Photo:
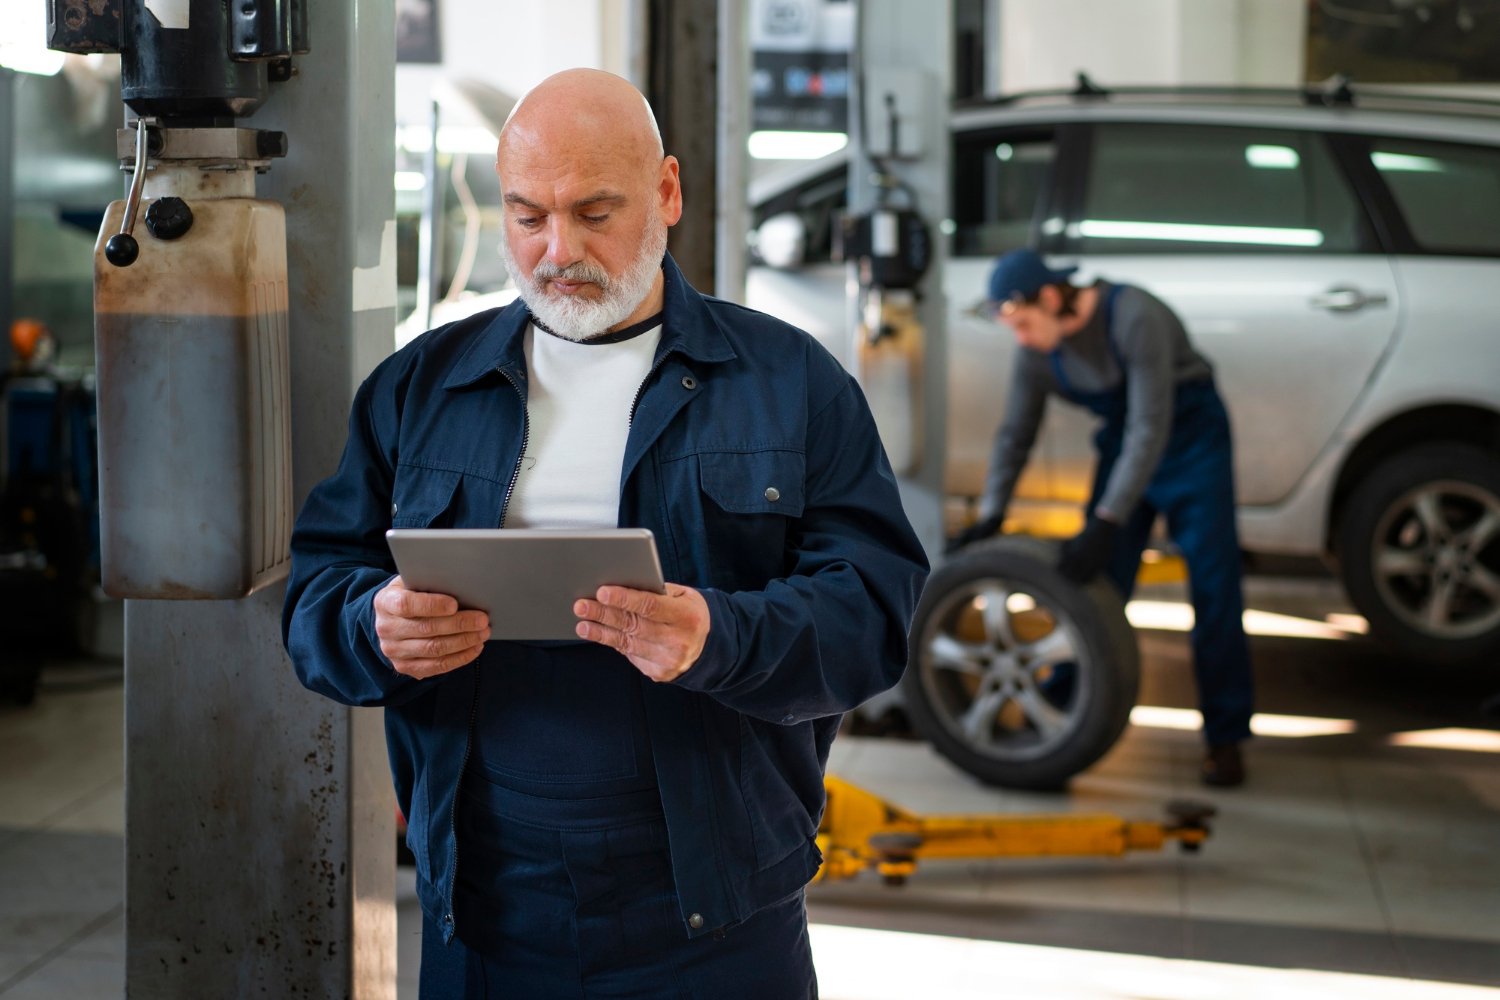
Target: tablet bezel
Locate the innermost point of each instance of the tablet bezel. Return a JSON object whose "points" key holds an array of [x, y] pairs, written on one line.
{"points": [[551, 569]]}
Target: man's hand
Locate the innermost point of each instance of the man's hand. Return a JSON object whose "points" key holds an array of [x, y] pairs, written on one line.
{"points": [[976, 532], [661, 634], [424, 635], [1085, 555]]}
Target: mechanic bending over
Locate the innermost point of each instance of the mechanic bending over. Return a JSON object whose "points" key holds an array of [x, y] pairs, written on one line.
{"points": [[635, 813], [1164, 448]]}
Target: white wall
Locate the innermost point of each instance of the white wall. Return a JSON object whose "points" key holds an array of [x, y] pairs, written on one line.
{"points": [[1045, 43], [514, 44]]}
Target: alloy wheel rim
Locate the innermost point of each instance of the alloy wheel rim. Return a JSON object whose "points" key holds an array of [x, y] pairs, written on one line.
{"points": [[1435, 558], [992, 662]]}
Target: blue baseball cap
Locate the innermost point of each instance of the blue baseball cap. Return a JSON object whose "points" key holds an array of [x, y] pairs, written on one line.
{"points": [[1023, 273]]}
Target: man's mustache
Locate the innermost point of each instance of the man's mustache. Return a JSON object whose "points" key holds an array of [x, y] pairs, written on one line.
{"points": [[579, 271]]}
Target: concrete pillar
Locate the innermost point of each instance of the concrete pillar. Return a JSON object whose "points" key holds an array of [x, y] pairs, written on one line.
{"points": [[682, 84], [260, 842]]}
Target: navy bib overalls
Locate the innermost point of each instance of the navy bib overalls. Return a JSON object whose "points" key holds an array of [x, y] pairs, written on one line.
{"points": [[1193, 488], [564, 885]]}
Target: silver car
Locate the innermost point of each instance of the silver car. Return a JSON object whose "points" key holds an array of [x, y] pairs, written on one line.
{"points": [[1335, 254]]}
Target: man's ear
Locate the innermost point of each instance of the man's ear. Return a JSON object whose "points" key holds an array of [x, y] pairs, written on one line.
{"points": [[669, 192]]}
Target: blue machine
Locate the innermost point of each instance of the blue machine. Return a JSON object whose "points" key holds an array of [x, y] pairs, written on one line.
{"points": [[49, 519]]}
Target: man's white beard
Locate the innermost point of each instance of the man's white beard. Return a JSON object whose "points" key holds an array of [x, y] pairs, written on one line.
{"points": [[575, 317]]}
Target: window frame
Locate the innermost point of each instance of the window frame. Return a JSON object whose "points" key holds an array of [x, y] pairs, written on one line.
{"points": [[1047, 194], [1357, 149]]}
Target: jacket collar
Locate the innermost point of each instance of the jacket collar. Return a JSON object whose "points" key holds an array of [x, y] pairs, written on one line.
{"points": [[687, 328]]}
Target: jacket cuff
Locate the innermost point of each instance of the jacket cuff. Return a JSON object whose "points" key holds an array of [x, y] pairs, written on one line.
{"points": [[721, 650], [364, 619]]}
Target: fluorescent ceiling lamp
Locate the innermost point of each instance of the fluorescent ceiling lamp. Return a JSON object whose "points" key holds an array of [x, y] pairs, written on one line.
{"points": [[473, 139], [23, 48], [1473, 740], [1272, 157], [795, 145], [1178, 232], [1407, 163], [859, 963], [1262, 723], [410, 180]]}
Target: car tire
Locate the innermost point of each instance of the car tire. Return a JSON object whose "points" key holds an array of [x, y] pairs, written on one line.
{"points": [[1418, 545], [1028, 697]]}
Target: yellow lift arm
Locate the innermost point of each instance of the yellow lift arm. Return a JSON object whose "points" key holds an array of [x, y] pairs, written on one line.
{"points": [[862, 831]]}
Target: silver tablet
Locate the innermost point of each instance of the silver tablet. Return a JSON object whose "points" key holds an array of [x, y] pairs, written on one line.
{"points": [[526, 580]]}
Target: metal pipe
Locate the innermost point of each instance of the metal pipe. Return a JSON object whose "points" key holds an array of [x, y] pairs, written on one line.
{"points": [[732, 222]]}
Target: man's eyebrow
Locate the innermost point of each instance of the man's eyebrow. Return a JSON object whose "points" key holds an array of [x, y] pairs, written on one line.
{"points": [[593, 199]]}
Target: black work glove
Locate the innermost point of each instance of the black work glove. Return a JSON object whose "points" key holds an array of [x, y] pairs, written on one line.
{"points": [[1085, 555], [976, 532]]}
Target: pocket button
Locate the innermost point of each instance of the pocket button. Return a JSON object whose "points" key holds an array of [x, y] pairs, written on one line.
{"points": [[773, 494]]}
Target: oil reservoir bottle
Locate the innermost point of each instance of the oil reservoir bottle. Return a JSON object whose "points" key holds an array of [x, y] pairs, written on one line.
{"points": [[192, 355]]}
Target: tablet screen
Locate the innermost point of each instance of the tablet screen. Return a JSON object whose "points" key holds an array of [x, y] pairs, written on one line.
{"points": [[526, 580]]}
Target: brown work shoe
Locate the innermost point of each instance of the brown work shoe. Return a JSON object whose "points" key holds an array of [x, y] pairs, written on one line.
{"points": [[1223, 767]]}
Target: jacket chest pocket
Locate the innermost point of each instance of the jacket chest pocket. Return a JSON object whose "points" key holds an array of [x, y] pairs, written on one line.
{"points": [[441, 498], [749, 501]]}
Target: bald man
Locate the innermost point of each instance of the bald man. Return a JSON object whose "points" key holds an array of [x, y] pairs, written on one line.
{"points": [[632, 814]]}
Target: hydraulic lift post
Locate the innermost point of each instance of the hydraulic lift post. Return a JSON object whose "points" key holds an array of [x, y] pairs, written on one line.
{"points": [[259, 828]]}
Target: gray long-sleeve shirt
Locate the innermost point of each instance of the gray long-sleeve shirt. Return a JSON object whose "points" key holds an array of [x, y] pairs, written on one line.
{"points": [[1156, 356]]}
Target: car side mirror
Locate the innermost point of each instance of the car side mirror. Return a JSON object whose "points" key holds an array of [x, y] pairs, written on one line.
{"points": [[781, 241]]}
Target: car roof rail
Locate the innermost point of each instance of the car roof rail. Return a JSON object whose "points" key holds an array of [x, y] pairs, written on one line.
{"points": [[1337, 93], [1334, 92]]}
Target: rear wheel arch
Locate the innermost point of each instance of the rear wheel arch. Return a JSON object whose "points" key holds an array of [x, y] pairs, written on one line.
{"points": [[1453, 423]]}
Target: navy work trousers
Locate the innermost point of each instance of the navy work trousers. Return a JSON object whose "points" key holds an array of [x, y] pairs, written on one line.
{"points": [[590, 911], [1193, 488]]}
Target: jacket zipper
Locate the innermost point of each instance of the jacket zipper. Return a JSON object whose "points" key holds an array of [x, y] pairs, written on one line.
{"points": [[515, 475], [463, 767], [640, 390]]}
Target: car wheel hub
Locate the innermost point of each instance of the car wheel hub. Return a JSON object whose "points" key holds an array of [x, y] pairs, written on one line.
{"points": [[1437, 564], [991, 661]]}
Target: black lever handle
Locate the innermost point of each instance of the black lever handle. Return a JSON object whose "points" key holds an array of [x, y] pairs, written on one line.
{"points": [[121, 250]]}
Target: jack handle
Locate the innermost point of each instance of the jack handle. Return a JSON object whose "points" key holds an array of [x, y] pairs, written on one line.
{"points": [[122, 249]]}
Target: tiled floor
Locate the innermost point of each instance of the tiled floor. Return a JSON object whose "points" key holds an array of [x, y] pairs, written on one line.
{"points": [[1353, 865]]}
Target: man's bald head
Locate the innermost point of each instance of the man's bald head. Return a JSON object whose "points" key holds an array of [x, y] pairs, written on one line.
{"points": [[579, 109], [588, 198]]}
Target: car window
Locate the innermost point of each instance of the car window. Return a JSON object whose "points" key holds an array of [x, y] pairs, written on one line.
{"points": [[998, 178], [1159, 188], [1449, 194], [819, 202]]}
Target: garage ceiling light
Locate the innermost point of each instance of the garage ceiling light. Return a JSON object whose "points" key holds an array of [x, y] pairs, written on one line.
{"points": [[767, 145], [451, 139], [23, 48]]}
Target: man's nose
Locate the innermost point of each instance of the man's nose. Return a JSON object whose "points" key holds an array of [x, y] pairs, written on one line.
{"points": [[564, 247]]}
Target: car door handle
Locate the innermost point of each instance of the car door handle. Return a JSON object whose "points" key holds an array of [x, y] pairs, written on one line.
{"points": [[1346, 298]]}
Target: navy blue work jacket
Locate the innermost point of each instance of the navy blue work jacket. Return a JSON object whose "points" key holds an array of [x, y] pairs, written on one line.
{"points": [[753, 457]]}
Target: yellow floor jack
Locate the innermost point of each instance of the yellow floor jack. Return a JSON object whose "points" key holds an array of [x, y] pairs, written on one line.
{"points": [[861, 831]]}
